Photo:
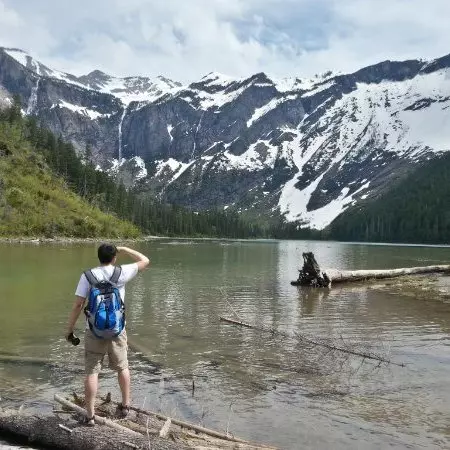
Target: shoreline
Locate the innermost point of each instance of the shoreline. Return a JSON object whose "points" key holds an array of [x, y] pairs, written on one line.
{"points": [[75, 240]]}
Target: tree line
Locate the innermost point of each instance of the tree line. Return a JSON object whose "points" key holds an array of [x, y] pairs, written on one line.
{"points": [[416, 210]]}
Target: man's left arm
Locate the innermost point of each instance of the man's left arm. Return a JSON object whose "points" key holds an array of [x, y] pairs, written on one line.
{"points": [[75, 313]]}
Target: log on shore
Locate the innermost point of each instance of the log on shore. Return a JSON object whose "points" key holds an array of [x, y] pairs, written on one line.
{"points": [[46, 431], [338, 276], [312, 275]]}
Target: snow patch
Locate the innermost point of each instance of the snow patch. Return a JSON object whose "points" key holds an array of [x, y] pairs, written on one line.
{"points": [[229, 144], [169, 130], [82, 110], [173, 166], [218, 99], [293, 84], [260, 112], [252, 159], [138, 89], [296, 202], [217, 79], [19, 55], [139, 162], [293, 202], [319, 87]]}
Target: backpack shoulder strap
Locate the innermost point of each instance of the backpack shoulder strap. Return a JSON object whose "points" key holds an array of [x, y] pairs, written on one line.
{"points": [[116, 274], [92, 279]]}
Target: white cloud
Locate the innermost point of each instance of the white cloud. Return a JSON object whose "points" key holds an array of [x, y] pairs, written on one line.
{"points": [[185, 39], [15, 29]]}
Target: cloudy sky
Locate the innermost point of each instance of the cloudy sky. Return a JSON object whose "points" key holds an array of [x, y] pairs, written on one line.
{"points": [[186, 39]]}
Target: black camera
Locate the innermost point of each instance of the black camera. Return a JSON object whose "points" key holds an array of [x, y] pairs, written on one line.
{"points": [[73, 339]]}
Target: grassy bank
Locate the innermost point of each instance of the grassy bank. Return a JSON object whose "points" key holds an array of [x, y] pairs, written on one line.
{"points": [[35, 202]]}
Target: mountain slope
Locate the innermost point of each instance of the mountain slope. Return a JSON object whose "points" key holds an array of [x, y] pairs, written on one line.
{"points": [[305, 149], [34, 202], [414, 210]]}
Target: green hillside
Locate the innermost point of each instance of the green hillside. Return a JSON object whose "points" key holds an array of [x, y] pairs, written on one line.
{"points": [[47, 189], [36, 202], [416, 210]]}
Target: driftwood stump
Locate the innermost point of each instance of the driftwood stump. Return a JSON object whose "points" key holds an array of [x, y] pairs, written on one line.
{"points": [[310, 274]]}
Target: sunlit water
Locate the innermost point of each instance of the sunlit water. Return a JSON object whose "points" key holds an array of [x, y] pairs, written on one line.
{"points": [[259, 386]]}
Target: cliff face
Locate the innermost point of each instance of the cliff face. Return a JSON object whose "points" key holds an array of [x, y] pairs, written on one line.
{"points": [[305, 148]]}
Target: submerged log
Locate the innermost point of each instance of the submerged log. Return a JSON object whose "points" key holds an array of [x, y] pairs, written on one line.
{"points": [[313, 341], [141, 351], [30, 360], [311, 275]]}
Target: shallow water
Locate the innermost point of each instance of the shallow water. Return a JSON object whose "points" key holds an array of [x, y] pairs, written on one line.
{"points": [[260, 386]]}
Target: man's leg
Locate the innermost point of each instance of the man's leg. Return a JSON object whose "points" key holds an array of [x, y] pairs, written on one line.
{"points": [[124, 383], [118, 360], [90, 391], [94, 351]]}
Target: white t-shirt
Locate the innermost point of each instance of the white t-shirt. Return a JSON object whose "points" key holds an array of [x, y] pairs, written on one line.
{"points": [[103, 273]]}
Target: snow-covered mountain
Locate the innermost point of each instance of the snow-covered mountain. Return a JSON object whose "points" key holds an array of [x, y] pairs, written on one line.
{"points": [[129, 89], [304, 148]]}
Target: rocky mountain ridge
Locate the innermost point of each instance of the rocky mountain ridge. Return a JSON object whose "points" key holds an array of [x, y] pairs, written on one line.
{"points": [[303, 148]]}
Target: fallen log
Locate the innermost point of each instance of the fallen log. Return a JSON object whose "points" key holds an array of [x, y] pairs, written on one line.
{"points": [[46, 431], [312, 275], [151, 423], [340, 276], [236, 322], [98, 419], [197, 428]]}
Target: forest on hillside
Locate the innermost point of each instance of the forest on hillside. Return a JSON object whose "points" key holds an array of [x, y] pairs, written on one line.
{"points": [[416, 210]]}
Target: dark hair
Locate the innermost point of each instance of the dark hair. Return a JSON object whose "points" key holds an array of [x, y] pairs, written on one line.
{"points": [[106, 253]]}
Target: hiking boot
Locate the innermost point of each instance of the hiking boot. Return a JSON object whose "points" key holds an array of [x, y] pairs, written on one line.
{"points": [[89, 421], [122, 410]]}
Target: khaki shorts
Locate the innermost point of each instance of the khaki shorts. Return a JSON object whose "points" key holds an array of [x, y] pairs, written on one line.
{"points": [[95, 350]]}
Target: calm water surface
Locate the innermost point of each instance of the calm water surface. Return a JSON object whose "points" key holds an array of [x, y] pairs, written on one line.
{"points": [[259, 386]]}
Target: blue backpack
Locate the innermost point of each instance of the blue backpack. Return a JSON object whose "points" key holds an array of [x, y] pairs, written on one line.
{"points": [[105, 311]]}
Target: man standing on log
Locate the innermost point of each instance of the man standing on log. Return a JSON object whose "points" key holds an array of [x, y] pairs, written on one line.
{"points": [[103, 288]]}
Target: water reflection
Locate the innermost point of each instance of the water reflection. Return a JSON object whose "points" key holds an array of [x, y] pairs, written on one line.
{"points": [[282, 391]]}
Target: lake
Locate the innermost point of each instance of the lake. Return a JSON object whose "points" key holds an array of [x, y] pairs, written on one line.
{"points": [[277, 388]]}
